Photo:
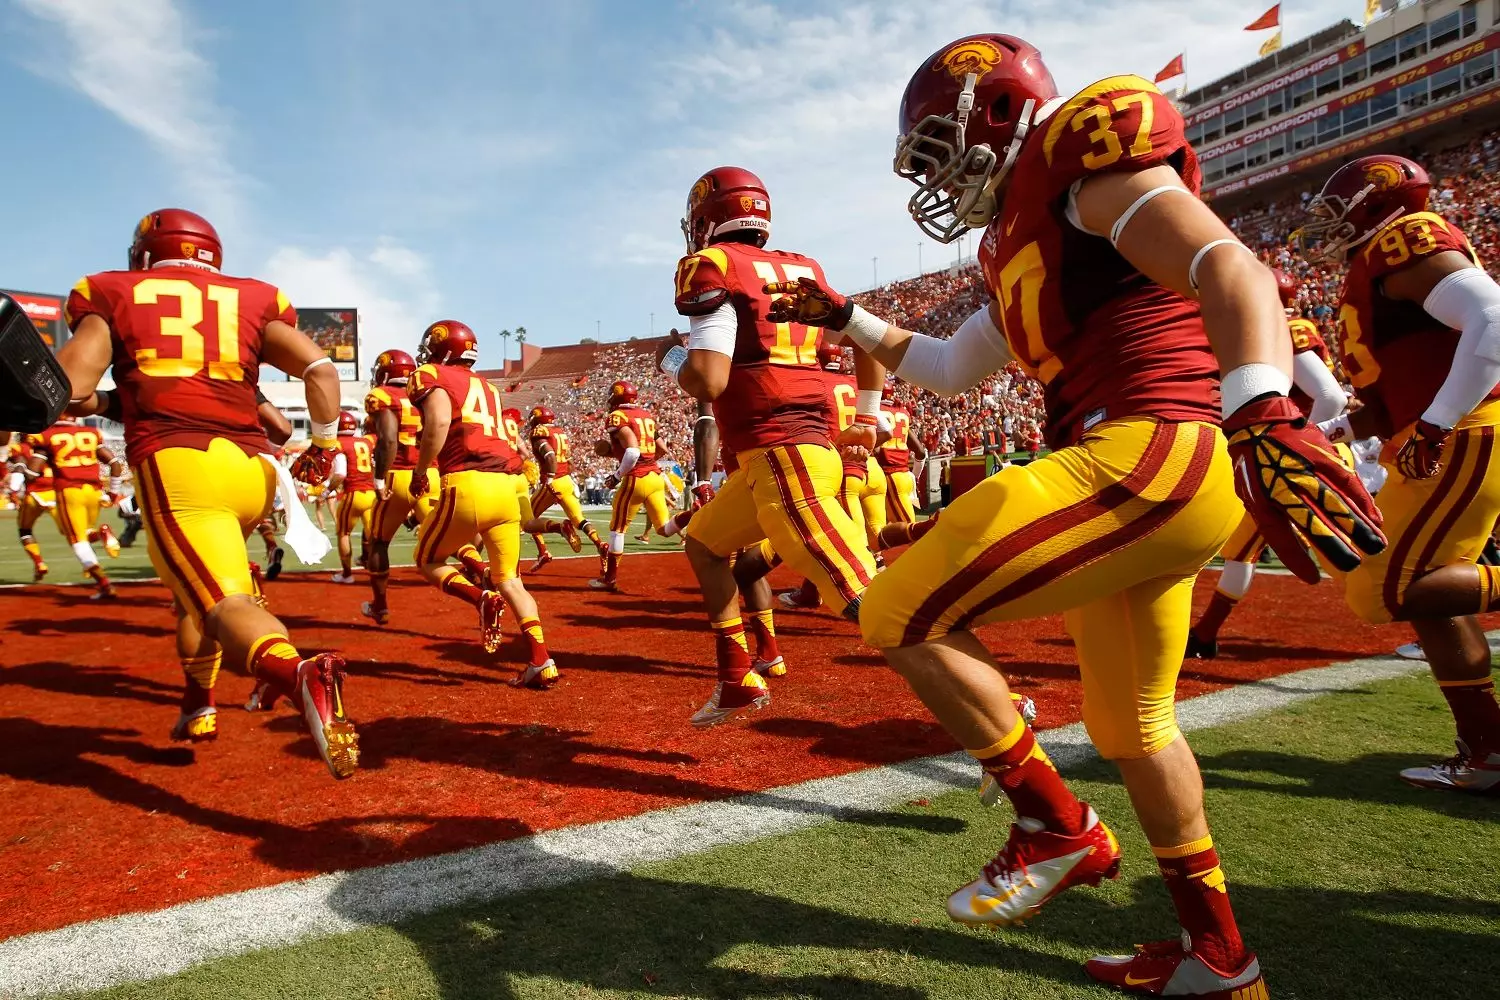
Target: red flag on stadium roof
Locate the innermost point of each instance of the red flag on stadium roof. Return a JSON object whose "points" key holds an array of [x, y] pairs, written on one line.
{"points": [[1171, 69], [1270, 19]]}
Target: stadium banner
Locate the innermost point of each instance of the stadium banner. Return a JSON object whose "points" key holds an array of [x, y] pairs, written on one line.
{"points": [[1340, 150], [1291, 76], [337, 332], [1385, 86], [46, 311]]}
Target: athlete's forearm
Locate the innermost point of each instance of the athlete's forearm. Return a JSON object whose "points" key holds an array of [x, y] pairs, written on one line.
{"points": [[705, 443]]}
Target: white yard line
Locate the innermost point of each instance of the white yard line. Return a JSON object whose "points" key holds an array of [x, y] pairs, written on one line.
{"points": [[143, 946]]}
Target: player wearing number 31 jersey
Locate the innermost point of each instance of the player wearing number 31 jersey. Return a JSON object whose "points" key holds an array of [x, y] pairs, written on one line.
{"points": [[186, 343], [1096, 247]]}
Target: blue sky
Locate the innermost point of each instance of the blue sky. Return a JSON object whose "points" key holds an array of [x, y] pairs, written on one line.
{"points": [[506, 163]]}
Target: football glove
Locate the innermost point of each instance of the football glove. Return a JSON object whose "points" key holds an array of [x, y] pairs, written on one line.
{"points": [[1299, 493], [702, 494], [806, 301], [1421, 456], [420, 484], [314, 465], [611, 481]]}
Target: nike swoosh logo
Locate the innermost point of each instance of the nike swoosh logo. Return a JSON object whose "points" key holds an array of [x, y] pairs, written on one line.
{"points": [[1009, 226], [1132, 981]]}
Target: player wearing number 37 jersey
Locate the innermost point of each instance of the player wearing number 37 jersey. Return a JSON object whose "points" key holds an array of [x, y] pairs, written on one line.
{"points": [[1096, 247], [186, 343]]}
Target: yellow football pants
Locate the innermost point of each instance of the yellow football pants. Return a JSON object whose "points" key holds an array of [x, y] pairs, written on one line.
{"points": [[76, 511], [563, 492], [475, 503], [355, 508], [898, 493], [635, 492], [391, 513], [1110, 532], [863, 499]]}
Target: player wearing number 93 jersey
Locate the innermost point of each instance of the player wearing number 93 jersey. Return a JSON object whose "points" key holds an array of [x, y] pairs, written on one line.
{"points": [[463, 432], [1420, 326], [773, 408], [1095, 247], [186, 343]]}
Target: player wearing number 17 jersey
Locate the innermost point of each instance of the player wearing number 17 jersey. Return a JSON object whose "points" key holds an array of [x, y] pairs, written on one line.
{"points": [[186, 343], [1420, 324], [463, 433], [1096, 246], [773, 409]]}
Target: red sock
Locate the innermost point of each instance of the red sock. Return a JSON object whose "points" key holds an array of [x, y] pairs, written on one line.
{"points": [[469, 556], [731, 650], [274, 658], [1219, 607], [532, 628], [457, 586], [1201, 898], [199, 674], [1475, 711], [612, 568], [1027, 775], [96, 573], [541, 546], [763, 626]]}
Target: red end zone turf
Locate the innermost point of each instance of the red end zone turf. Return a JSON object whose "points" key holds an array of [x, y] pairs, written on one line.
{"points": [[101, 814]]}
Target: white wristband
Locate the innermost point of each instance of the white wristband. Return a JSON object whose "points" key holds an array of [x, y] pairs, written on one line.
{"points": [[1249, 381], [867, 332], [673, 360], [380, 485], [1338, 429], [867, 403], [323, 432]]}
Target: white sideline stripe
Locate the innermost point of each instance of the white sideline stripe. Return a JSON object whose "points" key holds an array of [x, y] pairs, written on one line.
{"points": [[142, 946]]}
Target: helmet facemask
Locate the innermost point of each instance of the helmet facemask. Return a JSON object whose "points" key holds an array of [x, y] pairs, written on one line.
{"points": [[956, 183], [1329, 237]]}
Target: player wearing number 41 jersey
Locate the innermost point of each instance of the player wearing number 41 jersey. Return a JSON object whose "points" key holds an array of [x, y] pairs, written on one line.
{"points": [[773, 409], [1096, 247], [463, 433], [1420, 323], [186, 343]]}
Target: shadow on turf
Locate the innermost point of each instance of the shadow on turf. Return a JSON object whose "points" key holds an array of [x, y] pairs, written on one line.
{"points": [[90, 682], [74, 624]]}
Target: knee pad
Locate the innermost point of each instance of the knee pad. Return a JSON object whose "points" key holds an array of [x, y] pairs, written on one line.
{"points": [[85, 553], [1235, 578]]}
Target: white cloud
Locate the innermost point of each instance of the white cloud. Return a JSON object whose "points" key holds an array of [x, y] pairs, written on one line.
{"points": [[390, 284], [134, 58]]}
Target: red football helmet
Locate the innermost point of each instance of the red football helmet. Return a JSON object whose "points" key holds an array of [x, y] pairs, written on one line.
{"points": [[1286, 286], [513, 414], [963, 118], [448, 342], [348, 424], [542, 415], [726, 200], [888, 392], [175, 234], [622, 393], [830, 357], [392, 368], [1360, 199]]}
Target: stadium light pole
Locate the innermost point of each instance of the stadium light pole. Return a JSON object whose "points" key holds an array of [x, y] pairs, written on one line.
{"points": [[653, 325], [874, 272], [919, 257]]}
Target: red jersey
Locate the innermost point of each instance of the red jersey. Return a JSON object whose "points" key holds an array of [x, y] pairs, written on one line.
{"points": [[476, 437], [512, 432], [73, 452], [1305, 338], [843, 394], [1104, 340], [43, 483], [187, 347], [1397, 355], [408, 422], [895, 454], [359, 463], [643, 425], [776, 393], [557, 439]]}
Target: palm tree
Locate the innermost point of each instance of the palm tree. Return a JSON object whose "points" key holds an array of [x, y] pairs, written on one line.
{"points": [[504, 347], [520, 347]]}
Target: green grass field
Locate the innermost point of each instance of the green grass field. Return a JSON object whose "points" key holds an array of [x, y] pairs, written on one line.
{"points": [[133, 563], [1348, 883]]}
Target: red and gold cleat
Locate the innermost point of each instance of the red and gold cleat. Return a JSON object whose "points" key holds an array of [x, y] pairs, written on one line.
{"points": [[111, 543], [570, 535], [491, 611], [39, 572], [539, 676], [775, 667], [320, 697], [541, 561], [200, 726], [1171, 969], [730, 699], [1035, 865]]}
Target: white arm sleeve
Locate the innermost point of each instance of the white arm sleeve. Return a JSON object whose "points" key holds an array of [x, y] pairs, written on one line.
{"points": [[340, 465], [1467, 300], [715, 331], [627, 462], [1312, 376], [949, 367]]}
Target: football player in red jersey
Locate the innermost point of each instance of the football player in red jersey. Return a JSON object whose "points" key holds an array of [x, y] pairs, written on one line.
{"points": [[1420, 330], [637, 481], [1125, 295], [398, 425], [74, 452], [555, 485], [771, 403], [186, 343], [463, 432], [1318, 394], [34, 492], [353, 479], [535, 526], [894, 457]]}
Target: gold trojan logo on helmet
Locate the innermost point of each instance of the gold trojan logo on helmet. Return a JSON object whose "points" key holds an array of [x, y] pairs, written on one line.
{"points": [[701, 190], [437, 333], [1383, 176], [975, 56]]}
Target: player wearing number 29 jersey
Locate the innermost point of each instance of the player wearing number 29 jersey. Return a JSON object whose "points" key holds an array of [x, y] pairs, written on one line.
{"points": [[186, 343]]}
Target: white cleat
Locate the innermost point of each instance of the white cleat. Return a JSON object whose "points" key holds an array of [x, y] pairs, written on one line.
{"points": [[1465, 771], [770, 668], [749, 695], [539, 676], [342, 578]]}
